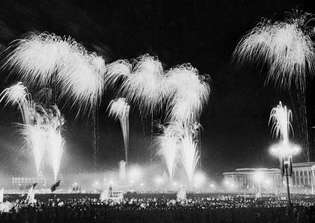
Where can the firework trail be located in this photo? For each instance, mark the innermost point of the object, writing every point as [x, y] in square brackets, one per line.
[284, 46]
[45, 59]
[119, 109]
[280, 119]
[188, 93]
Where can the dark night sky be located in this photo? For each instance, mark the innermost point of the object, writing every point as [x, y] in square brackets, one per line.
[203, 32]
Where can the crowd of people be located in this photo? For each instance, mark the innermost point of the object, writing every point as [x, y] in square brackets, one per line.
[225, 208]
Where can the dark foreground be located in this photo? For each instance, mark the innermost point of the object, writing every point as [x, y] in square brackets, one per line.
[87, 208]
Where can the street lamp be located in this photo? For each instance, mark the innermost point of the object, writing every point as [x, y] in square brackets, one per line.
[284, 151]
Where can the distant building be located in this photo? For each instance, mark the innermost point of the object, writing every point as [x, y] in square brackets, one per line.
[269, 180]
[303, 177]
[24, 182]
[252, 180]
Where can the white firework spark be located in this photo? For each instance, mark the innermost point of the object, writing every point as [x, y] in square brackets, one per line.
[18, 95]
[188, 93]
[283, 46]
[119, 109]
[179, 139]
[145, 83]
[189, 155]
[35, 58]
[83, 81]
[167, 144]
[43, 134]
[45, 59]
[116, 71]
[280, 119]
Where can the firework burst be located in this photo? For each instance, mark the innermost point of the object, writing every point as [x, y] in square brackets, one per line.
[19, 95]
[188, 93]
[116, 71]
[284, 46]
[46, 59]
[145, 83]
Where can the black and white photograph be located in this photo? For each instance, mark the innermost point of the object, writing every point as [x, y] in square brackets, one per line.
[157, 111]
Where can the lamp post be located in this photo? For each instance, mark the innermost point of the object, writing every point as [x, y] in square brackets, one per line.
[284, 151]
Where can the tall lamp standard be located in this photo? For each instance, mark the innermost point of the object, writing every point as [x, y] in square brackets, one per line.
[284, 151]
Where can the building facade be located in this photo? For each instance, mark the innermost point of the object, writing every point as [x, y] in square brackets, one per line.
[253, 180]
[269, 180]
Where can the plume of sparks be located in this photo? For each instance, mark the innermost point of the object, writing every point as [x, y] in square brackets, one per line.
[44, 59]
[144, 85]
[119, 109]
[168, 149]
[44, 134]
[179, 139]
[189, 154]
[281, 117]
[41, 128]
[34, 136]
[188, 91]
[284, 46]
[18, 95]
[116, 71]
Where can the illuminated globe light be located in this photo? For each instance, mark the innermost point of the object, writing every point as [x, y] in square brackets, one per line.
[259, 177]
[229, 184]
[96, 184]
[134, 174]
[199, 179]
[285, 149]
[212, 186]
[158, 180]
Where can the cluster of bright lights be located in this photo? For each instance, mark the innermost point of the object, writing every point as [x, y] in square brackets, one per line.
[199, 179]
[134, 174]
[229, 184]
[285, 149]
[283, 46]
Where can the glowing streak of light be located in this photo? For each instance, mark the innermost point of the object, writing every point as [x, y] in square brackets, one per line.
[119, 109]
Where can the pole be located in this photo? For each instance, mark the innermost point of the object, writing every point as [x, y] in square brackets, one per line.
[288, 186]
